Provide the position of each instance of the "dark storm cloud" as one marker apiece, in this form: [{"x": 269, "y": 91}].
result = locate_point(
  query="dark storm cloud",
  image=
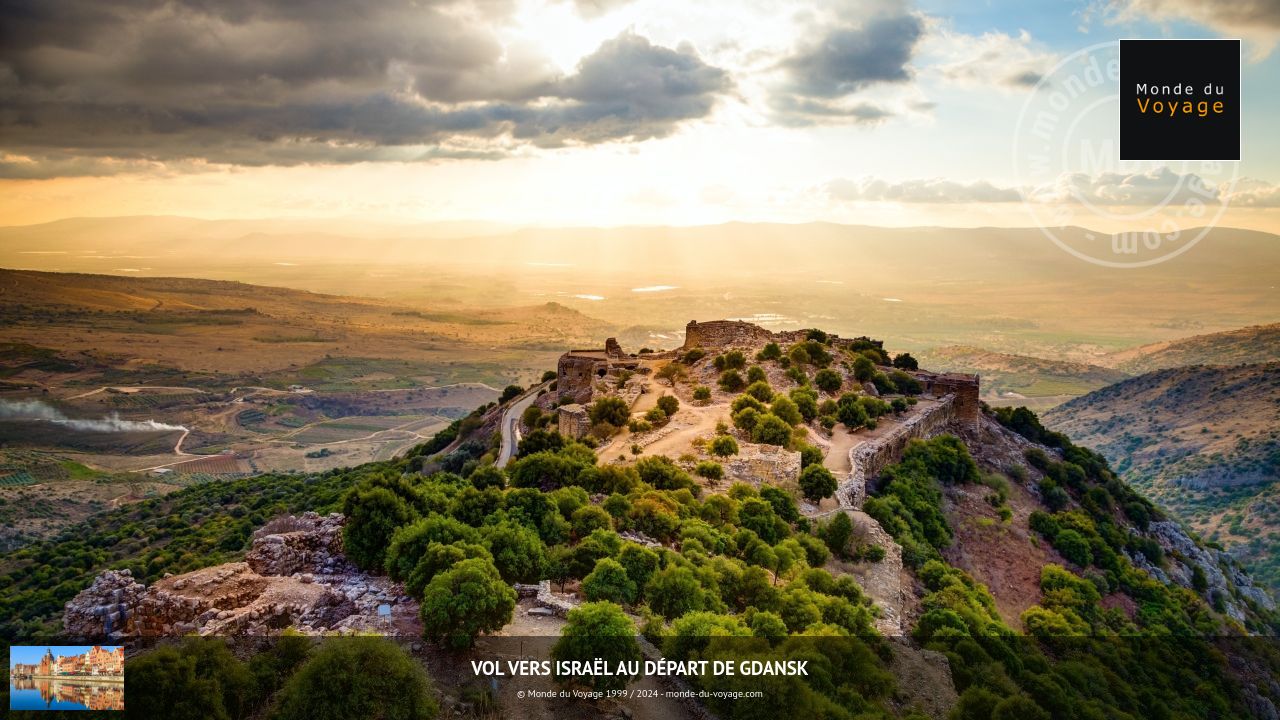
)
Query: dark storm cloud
[
  {"x": 844, "y": 61},
  {"x": 849, "y": 59},
  {"x": 85, "y": 84}
]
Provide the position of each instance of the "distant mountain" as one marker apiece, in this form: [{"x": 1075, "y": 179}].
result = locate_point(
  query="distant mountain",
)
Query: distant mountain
[
  {"x": 1204, "y": 441},
  {"x": 1019, "y": 379},
  {"x": 1255, "y": 344}
]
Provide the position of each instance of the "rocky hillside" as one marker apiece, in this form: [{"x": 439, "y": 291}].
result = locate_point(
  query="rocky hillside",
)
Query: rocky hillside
[
  {"x": 1202, "y": 441},
  {"x": 1019, "y": 379},
  {"x": 1250, "y": 345}
]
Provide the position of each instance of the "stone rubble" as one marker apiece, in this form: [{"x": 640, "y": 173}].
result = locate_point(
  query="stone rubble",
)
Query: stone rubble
[{"x": 294, "y": 575}]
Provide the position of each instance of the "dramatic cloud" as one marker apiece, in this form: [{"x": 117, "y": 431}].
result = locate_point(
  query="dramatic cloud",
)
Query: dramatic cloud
[
  {"x": 297, "y": 82},
  {"x": 822, "y": 75},
  {"x": 935, "y": 190},
  {"x": 1254, "y": 20}
]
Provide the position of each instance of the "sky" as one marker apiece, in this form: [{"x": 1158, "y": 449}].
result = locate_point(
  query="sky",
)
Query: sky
[
  {"x": 603, "y": 112},
  {"x": 31, "y": 654}
]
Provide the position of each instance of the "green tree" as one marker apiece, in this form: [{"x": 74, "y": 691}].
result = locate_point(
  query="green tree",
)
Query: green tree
[
  {"x": 597, "y": 631},
  {"x": 439, "y": 557},
  {"x": 589, "y": 518},
  {"x": 863, "y": 368},
  {"x": 610, "y": 409},
  {"x": 837, "y": 532},
  {"x": 828, "y": 381},
  {"x": 760, "y": 390},
  {"x": 198, "y": 679},
  {"x": 675, "y": 591},
  {"x": 459, "y": 604},
  {"x": 904, "y": 361},
  {"x": 518, "y": 553},
  {"x": 669, "y": 404},
  {"x": 510, "y": 392},
  {"x": 731, "y": 381},
  {"x": 339, "y": 681},
  {"x": 709, "y": 470},
  {"x": 1073, "y": 547},
  {"x": 410, "y": 542},
  {"x": 487, "y": 476},
  {"x": 785, "y": 408},
  {"x": 609, "y": 581},
  {"x": 724, "y": 446},
  {"x": 771, "y": 430},
  {"x": 770, "y": 351},
  {"x": 817, "y": 482},
  {"x": 373, "y": 515}
]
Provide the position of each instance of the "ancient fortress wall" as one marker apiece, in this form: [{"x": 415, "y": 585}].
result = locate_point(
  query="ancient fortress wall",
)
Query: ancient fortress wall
[
  {"x": 724, "y": 334},
  {"x": 869, "y": 458}
]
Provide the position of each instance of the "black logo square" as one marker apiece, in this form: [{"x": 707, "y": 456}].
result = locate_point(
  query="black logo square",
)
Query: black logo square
[{"x": 1180, "y": 99}]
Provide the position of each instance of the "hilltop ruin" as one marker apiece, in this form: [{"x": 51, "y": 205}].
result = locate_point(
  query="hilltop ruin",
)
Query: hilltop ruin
[{"x": 581, "y": 375}]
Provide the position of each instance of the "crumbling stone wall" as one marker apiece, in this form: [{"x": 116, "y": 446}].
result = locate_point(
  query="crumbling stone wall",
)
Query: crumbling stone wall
[
  {"x": 963, "y": 386},
  {"x": 869, "y": 458},
  {"x": 716, "y": 334},
  {"x": 760, "y": 465},
  {"x": 579, "y": 371},
  {"x": 294, "y": 576},
  {"x": 572, "y": 421}
]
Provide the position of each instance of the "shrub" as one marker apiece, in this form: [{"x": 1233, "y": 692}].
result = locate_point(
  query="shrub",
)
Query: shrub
[
  {"x": 702, "y": 393},
  {"x": 817, "y": 482},
  {"x": 373, "y": 515},
  {"x": 200, "y": 679},
  {"x": 609, "y": 581},
  {"x": 1074, "y": 547},
  {"x": 597, "y": 631},
  {"x": 461, "y": 603},
  {"x": 905, "y": 362},
  {"x": 828, "y": 381},
  {"x": 724, "y": 446},
  {"x": 437, "y": 558},
  {"x": 755, "y": 374},
  {"x": 836, "y": 534},
  {"x": 760, "y": 391},
  {"x": 863, "y": 368},
  {"x": 327, "y": 688},
  {"x": 785, "y": 408},
  {"x": 611, "y": 410},
  {"x": 770, "y": 351},
  {"x": 709, "y": 470},
  {"x": 662, "y": 473},
  {"x": 669, "y": 404},
  {"x": 731, "y": 381},
  {"x": 510, "y": 392},
  {"x": 655, "y": 416},
  {"x": 771, "y": 430}
]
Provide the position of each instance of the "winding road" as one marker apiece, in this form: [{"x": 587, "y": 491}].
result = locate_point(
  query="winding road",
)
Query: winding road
[{"x": 511, "y": 420}]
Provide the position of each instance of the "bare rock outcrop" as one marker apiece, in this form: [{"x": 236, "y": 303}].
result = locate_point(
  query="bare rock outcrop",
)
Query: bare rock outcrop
[
  {"x": 294, "y": 575},
  {"x": 104, "y": 608},
  {"x": 289, "y": 545}
]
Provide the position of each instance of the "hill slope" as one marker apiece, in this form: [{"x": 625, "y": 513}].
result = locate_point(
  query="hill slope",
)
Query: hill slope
[
  {"x": 1201, "y": 440},
  {"x": 1020, "y": 379},
  {"x": 1255, "y": 344}
]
